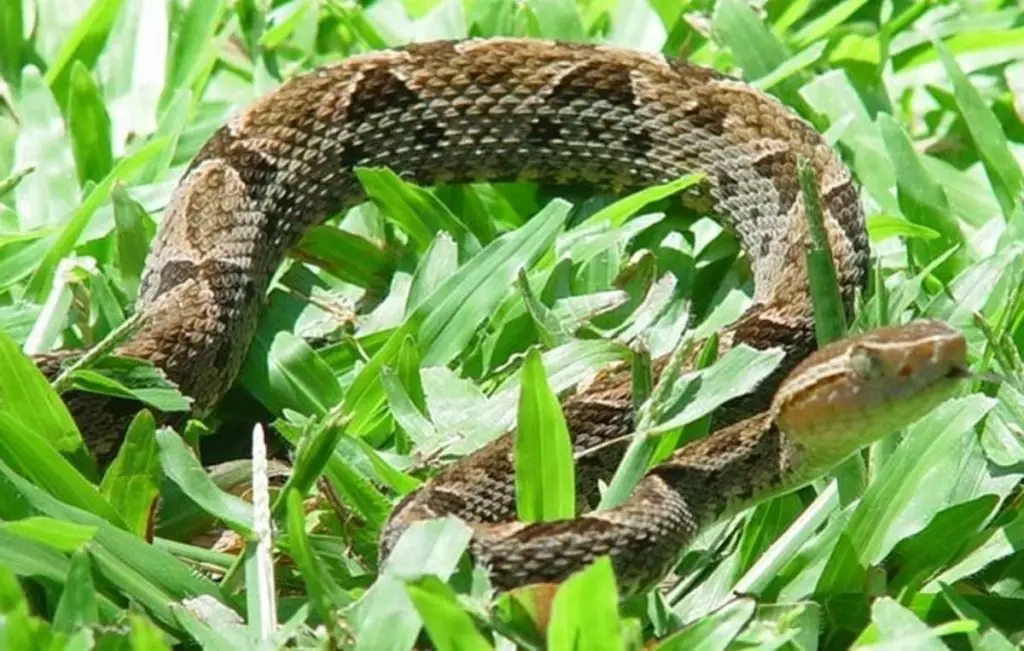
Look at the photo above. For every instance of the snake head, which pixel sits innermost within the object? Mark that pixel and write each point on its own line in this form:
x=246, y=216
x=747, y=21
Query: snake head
x=852, y=392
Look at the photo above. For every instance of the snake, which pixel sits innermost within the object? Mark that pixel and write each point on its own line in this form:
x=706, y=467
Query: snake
x=558, y=113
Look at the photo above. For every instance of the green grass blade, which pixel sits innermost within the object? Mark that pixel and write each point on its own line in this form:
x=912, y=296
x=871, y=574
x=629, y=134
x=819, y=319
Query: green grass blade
x=620, y=211
x=826, y=299
x=585, y=612
x=84, y=44
x=922, y=201
x=349, y=257
x=37, y=459
x=416, y=210
x=12, y=41
x=545, y=474
x=189, y=50
x=26, y=396
x=323, y=591
x=714, y=632
x=77, y=607
x=132, y=482
x=75, y=227
x=449, y=626
x=987, y=133
x=897, y=504
x=183, y=469
x=90, y=127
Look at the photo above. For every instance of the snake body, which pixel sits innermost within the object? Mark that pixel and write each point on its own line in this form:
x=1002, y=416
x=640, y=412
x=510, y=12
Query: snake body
x=495, y=110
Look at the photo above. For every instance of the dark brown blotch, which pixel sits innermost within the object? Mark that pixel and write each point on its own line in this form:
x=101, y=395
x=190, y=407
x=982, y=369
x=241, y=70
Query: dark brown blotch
x=707, y=115
x=595, y=81
x=174, y=273
x=219, y=146
x=379, y=90
x=691, y=75
x=779, y=167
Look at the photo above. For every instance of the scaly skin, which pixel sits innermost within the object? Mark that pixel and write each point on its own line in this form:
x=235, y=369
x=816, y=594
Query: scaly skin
x=490, y=110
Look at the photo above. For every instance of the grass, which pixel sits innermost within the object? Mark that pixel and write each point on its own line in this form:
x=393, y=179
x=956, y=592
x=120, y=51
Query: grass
x=400, y=333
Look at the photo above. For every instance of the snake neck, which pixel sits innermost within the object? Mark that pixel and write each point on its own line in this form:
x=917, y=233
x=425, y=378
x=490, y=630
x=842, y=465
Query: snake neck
x=734, y=468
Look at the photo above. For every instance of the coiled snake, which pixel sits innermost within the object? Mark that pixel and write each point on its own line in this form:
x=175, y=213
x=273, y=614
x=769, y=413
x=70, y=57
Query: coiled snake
x=506, y=109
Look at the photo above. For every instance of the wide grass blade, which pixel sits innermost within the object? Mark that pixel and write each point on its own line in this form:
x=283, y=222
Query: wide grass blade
x=585, y=612
x=545, y=474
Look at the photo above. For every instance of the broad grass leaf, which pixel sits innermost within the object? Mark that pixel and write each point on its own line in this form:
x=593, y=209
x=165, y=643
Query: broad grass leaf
x=988, y=636
x=416, y=210
x=172, y=124
x=30, y=558
x=987, y=133
x=284, y=372
x=920, y=556
x=795, y=65
x=569, y=365
x=90, y=127
x=452, y=314
x=183, y=469
x=618, y=212
x=287, y=19
x=545, y=473
x=77, y=607
x=133, y=378
x=26, y=396
x=142, y=572
x=358, y=491
x=738, y=372
x=449, y=626
x=12, y=40
x=833, y=95
x=892, y=624
x=688, y=399
x=558, y=19
x=550, y=330
x=757, y=50
x=46, y=195
x=189, y=50
x=446, y=321
x=133, y=232
x=385, y=617
x=585, y=612
x=714, y=632
x=438, y=263
x=412, y=421
x=60, y=535
x=36, y=458
x=323, y=591
x=823, y=283
x=144, y=634
x=125, y=170
x=132, y=482
x=882, y=226
x=346, y=256
x=823, y=25
x=994, y=545
x=897, y=504
x=84, y=44
x=923, y=201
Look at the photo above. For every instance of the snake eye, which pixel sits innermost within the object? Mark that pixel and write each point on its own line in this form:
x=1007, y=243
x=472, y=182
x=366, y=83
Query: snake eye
x=865, y=363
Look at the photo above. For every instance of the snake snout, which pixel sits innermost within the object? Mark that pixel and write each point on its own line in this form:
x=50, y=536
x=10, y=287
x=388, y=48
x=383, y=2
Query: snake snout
x=853, y=392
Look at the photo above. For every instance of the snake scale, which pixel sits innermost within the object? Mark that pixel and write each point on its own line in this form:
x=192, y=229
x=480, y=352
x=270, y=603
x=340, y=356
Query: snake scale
x=558, y=113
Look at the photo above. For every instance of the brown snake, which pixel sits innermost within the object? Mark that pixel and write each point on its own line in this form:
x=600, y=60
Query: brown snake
x=512, y=109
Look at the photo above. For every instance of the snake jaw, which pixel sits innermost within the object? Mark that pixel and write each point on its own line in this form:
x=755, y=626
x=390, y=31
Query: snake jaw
x=849, y=394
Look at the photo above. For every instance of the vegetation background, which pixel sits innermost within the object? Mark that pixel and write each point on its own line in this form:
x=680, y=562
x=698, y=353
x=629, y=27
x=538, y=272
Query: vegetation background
x=424, y=321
